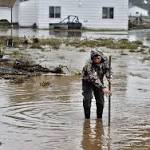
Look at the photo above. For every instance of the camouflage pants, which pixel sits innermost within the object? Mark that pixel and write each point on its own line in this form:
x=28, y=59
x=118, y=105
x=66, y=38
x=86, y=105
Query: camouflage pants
x=88, y=91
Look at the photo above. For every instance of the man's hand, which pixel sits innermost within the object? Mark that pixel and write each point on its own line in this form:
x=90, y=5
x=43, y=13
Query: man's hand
x=109, y=81
x=106, y=91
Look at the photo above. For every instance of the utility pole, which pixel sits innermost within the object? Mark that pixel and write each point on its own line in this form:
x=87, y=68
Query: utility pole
x=11, y=14
x=10, y=40
x=109, y=98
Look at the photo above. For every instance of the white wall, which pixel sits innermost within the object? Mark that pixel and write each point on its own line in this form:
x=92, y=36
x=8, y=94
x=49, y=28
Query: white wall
x=16, y=12
x=88, y=11
x=5, y=13
x=28, y=13
x=134, y=9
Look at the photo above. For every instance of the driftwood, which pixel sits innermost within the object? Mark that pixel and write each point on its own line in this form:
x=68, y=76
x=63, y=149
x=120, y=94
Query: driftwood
x=26, y=66
x=10, y=69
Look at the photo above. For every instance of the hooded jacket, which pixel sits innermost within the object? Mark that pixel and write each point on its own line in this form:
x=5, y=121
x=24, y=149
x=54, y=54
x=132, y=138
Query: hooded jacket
x=94, y=73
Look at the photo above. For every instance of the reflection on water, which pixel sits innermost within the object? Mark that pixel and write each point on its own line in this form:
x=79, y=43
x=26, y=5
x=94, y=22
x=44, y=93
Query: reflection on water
x=142, y=35
x=43, y=118
x=93, y=135
x=33, y=90
x=59, y=33
x=65, y=33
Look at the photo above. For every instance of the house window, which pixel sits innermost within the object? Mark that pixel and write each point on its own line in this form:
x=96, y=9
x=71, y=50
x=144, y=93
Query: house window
x=54, y=12
x=108, y=13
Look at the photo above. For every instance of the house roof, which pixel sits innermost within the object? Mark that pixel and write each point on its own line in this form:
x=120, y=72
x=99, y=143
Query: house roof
x=7, y=3
x=136, y=6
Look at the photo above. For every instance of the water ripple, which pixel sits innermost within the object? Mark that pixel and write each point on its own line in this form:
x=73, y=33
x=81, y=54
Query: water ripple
x=35, y=115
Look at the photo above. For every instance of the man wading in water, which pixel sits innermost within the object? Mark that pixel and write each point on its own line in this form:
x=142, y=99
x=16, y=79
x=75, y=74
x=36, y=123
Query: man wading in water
x=92, y=82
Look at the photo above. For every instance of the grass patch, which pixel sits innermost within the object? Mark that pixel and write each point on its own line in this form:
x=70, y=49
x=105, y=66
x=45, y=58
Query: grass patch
x=109, y=43
x=36, y=46
x=125, y=44
x=55, y=43
x=82, y=50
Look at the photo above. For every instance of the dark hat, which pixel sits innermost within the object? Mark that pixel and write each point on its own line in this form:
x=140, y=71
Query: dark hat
x=96, y=52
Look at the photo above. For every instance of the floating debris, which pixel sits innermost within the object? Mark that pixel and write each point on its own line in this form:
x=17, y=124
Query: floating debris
x=123, y=53
x=29, y=67
x=61, y=69
x=45, y=83
x=137, y=75
x=132, y=50
x=82, y=50
x=146, y=58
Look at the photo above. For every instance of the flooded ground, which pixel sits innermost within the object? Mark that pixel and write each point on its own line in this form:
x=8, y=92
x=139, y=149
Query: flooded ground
x=132, y=35
x=42, y=118
x=60, y=33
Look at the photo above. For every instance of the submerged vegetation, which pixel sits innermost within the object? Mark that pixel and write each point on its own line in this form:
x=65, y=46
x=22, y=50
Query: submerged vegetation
x=18, y=62
x=55, y=43
x=109, y=43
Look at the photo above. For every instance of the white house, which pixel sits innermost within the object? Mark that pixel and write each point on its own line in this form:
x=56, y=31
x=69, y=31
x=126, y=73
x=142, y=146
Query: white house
x=5, y=10
x=136, y=11
x=5, y=13
x=98, y=14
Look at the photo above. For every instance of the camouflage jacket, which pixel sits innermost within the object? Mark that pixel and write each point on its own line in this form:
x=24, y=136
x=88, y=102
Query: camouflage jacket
x=94, y=74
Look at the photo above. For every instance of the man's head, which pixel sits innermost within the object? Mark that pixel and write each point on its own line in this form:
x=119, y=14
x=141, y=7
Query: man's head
x=97, y=56
x=97, y=59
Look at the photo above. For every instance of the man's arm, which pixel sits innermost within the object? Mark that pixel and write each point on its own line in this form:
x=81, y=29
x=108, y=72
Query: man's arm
x=92, y=77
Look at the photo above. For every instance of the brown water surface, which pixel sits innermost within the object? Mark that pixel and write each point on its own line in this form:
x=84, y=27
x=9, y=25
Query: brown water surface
x=51, y=117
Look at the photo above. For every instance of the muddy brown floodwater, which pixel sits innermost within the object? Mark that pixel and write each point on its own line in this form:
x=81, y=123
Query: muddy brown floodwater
x=51, y=117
